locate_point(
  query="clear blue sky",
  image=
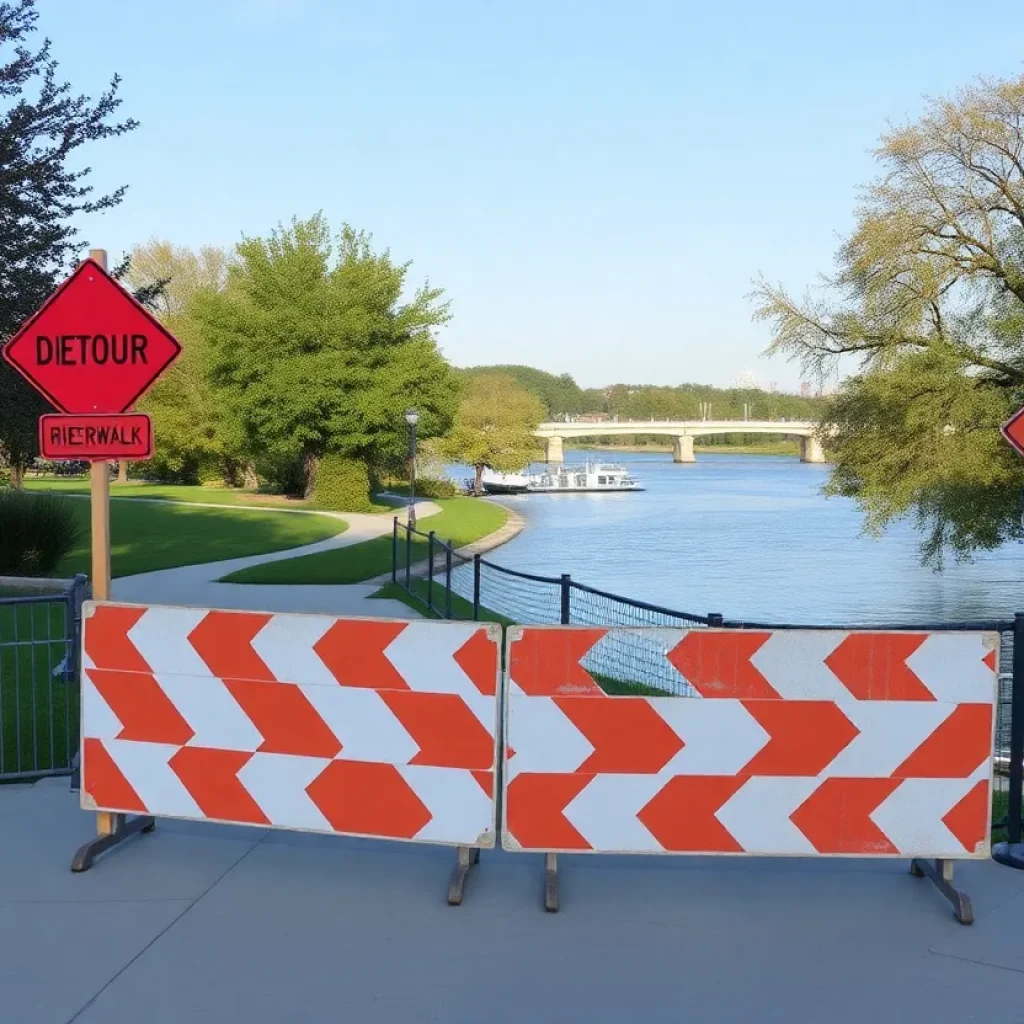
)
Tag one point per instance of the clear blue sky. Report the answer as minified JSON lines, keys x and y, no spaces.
{"x":594,"y":182}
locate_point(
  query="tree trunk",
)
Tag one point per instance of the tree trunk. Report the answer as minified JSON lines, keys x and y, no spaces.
{"x":478,"y":485}
{"x":17,"y":475}
{"x":250,"y":481}
{"x":122,"y":471}
{"x":311,"y":463}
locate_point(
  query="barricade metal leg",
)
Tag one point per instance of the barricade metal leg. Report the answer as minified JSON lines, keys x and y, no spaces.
{"x":551,"y":882}
{"x":467,"y":857}
{"x":941,"y":875}
{"x":1010,"y":854}
{"x":111,"y":829}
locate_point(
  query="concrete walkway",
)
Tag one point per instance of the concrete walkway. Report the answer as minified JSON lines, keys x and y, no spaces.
{"x":196,"y":585}
{"x":209,"y":924}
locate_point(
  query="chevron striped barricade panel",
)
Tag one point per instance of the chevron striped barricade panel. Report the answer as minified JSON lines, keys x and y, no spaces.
{"x":791,"y":743}
{"x":346,"y":726}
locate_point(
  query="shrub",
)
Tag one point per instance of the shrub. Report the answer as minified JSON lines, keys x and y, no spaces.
{"x":436,"y":487}
{"x":36,"y":532}
{"x":342,"y":485}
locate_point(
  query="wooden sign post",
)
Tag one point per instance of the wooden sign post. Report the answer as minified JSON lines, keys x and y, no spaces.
{"x":99,"y":496}
{"x":92,"y":350}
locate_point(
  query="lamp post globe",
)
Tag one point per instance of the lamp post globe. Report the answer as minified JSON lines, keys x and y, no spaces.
{"x":412,"y":417}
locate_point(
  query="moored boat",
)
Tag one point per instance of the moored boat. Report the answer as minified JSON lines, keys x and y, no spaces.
{"x":593,"y":477}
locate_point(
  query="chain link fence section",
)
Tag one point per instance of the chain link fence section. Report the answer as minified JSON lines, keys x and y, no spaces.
{"x":40,"y":627}
{"x":624,"y":661}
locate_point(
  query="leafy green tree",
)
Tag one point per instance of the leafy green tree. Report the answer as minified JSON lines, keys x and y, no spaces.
{"x":494,"y":426}
{"x":313,"y":351}
{"x":193,"y":438}
{"x":929,"y":299}
{"x":43,"y":125}
{"x":559,"y":394}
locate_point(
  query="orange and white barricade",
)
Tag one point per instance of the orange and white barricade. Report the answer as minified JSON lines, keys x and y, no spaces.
{"x":808,"y":743}
{"x":357,"y":727}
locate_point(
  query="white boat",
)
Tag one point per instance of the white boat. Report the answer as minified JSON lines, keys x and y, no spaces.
{"x":592,"y":477}
{"x":504,"y":483}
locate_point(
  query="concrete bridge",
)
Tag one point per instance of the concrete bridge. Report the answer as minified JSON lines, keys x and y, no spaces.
{"x":682,"y":433}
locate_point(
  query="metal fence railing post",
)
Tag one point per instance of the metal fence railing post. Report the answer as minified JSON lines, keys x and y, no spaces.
{"x":1017,"y":731}
{"x":394,"y":551}
{"x":476,"y":588}
{"x":448,"y":579}
{"x":408,"y":558}
{"x":430,"y":570}
{"x":565,"y":583}
{"x":1011,"y":853}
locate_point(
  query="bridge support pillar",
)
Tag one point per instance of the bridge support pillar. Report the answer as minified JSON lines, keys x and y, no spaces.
{"x":682,"y":448}
{"x":810,"y":450}
{"x":554,"y":450}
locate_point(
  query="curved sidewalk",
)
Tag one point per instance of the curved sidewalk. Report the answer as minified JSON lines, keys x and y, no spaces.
{"x":196,"y":585}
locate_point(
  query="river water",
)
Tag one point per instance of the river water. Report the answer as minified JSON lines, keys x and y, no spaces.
{"x":750,"y":536}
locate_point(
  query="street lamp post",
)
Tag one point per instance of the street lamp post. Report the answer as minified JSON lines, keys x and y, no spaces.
{"x":412,"y":417}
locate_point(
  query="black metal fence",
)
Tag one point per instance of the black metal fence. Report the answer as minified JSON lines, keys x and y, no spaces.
{"x":40,"y":630}
{"x":454,"y":587}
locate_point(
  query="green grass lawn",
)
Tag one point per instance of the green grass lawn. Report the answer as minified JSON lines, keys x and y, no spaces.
{"x":461,"y":608}
{"x":145,"y":537}
{"x":461,"y":521}
{"x":179,"y":492}
{"x":167,"y":492}
{"x":38,"y":714}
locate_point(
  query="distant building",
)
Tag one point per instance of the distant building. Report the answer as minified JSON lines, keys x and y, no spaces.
{"x":805,"y":389}
{"x":747,"y":380}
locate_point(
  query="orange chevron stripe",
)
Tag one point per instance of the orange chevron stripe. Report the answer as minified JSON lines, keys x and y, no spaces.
{"x":106,"y":639}
{"x":805,"y":736}
{"x":627,"y":734}
{"x":104,"y":782}
{"x":368,"y":799}
{"x":990,"y":659}
{"x":485,"y":780}
{"x":448,"y":734}
{"x":288,"y":722}
{"x":144,"y":710}
{"x":478,"y":658}
{"x":546,"y":662}
{"x":681,"y":816}
{"x":717,"y":663}
{"x":534,"y":803}
{"x":211,"y":776}
{"x":224,"y":641}
{"x":872,"y":666}
{"x":836,"y":816}
{"x":968,"y":820}
{"x":955,"y":749}
{"x":353,"y":652}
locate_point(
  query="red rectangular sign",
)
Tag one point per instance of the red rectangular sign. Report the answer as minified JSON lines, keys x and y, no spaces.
{"x":93,"y":438}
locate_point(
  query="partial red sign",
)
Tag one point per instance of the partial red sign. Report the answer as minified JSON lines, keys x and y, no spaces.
{"x":1013,"y":431}
{"x":91,"y":348}
{"x":96,"y":437}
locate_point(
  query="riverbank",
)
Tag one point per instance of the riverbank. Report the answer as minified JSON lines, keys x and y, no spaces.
{"x":513,"y":526}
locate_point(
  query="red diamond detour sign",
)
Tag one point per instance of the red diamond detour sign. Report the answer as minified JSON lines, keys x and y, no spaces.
{"x":91,"y":348}
{"x":1013,"y":431}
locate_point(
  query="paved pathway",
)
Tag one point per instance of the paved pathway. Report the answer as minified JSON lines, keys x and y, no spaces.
{"x":209,"y":924}
{"x":196,"y":585}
